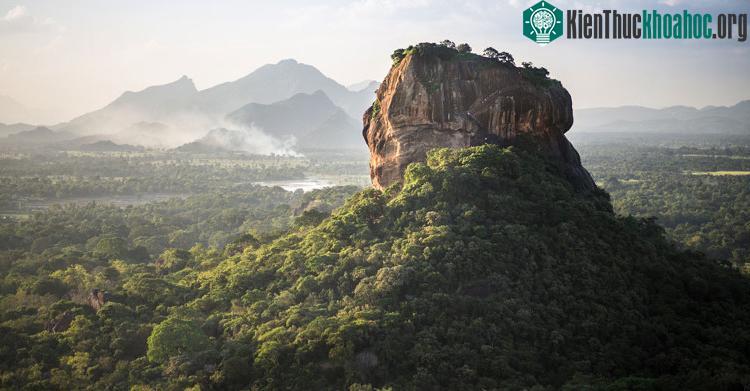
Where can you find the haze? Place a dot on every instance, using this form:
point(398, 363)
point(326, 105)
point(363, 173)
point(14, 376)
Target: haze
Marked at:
point(63, 59)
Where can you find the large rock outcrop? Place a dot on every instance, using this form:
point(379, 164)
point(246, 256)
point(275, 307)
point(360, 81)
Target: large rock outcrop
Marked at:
point(448, 99)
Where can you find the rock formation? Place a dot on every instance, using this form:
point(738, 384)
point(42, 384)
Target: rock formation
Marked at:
point(61, 323)
point(97, 298)
point(437, 97)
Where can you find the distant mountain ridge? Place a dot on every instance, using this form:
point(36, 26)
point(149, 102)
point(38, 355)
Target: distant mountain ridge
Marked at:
point(710, 119)
point(258, 99)
point(312, 121)
point(38, 135)
point(265, 99)
point(369, 85)
point(295, 116)
point(275, 82)
point(340, 127)
point(9, 129)
point(148, 105)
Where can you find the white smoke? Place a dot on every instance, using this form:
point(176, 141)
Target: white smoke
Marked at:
point(176, 129)
point(251, 139)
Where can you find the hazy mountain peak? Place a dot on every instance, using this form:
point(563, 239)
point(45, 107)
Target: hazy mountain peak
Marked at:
point(338, 131)
point(8, 129)
point(156, 103)
point(182, 106)
point(674, 119)
point(287, 61)
point(364, 85)
point(295, 116)
point(267, 84)
point(183, 86)
point(318, 97)
point(285, 66)
point(40, 135)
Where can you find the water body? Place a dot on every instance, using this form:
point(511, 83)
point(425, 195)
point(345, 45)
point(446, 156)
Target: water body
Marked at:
point(295, 184)
point(318, 182)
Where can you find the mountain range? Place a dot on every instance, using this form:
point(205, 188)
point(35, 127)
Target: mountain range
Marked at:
point(276, 82)
point(283, 100)
point(295, 116)
point(313, 120)
point(296, 104)
point(364, 85)
point(676, 119)
point(7, 130)
point(38, 135)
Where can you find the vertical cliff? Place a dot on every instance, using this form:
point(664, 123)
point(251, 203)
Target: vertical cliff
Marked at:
point(438, 97)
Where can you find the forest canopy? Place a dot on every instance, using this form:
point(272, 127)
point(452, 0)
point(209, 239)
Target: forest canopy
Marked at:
point(484, 270)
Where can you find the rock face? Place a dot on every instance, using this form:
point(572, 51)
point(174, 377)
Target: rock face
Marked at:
point(61, 323)
point(458, 100)
point(97, 298)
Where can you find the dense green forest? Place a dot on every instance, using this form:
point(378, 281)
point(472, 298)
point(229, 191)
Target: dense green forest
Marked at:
point(693, 191)
point(66, 175)
point(700, 195)
point(486, 271)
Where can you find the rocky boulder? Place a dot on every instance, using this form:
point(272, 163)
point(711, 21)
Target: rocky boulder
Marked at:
point(97, 298)
point(437, 97)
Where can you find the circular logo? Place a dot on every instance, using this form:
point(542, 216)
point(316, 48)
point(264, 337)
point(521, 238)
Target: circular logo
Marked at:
point(542, 23)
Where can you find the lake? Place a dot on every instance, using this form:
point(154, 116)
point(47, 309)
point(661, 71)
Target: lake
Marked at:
point(309, 184)
point(295, 184)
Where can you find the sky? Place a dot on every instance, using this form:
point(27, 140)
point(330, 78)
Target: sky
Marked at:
point(63, 59)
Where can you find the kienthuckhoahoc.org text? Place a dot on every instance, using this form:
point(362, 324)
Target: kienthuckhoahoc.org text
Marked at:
point(611, 24)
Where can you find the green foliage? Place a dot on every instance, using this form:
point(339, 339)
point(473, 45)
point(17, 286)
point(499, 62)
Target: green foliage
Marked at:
point(375, 109)
point(447, 50)
point(310, 218)
point(49, 286)
point(490, 52)
point(174, 337)
point(397, 56)
point(141, 233)
point(506, 58)
point(463, 48)
point(69, 176)
point(111, 247)
point(51, 260)
point(537, 75)
point(444, 51)
point(487, 257)
point(484, 270)
point(239, 244)
point(701, 212)
point(173, 259)
point(448, 43)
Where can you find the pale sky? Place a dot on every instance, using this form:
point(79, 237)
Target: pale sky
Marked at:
point(69, 57)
